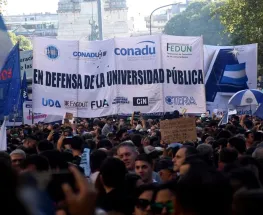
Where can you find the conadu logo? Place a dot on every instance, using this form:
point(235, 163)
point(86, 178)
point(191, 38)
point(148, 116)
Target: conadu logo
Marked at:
point(140, 50)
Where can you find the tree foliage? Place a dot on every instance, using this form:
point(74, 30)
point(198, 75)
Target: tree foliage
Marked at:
point(198, 20)
point(24, 43)
point(243, 19)
point(2, 3)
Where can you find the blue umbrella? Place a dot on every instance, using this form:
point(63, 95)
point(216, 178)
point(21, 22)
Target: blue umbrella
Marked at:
point(246, 97)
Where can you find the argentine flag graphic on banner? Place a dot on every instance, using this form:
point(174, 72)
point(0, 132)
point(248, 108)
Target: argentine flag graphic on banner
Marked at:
point(235, 75)
point(227, 75)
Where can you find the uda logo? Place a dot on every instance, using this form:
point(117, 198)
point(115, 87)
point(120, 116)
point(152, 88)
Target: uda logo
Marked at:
point(50, 103)
point(52, 52)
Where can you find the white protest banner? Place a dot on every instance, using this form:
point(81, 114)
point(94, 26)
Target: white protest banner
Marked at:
point(38, 117)
point(140, 60)
point(121, 75)
point(183, 58)
point(228, 69)
point(3, 138)
point(28, 114)
point(26, 63)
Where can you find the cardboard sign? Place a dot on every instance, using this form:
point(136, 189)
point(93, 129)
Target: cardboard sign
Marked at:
point(178, 130)
point(69, 116)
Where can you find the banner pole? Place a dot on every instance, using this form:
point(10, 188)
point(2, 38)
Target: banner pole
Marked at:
point(32, 117)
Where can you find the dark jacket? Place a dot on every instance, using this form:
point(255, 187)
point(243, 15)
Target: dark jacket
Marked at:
point(116, 201)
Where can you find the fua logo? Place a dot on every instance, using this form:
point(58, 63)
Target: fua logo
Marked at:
point(99, 104)
point(144, 48)
point(50, 103)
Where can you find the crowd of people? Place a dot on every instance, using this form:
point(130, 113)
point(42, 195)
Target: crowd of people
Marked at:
point(118, 165)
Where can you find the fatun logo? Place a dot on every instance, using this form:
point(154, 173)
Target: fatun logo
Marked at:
point(120, 100)
point(50, 103)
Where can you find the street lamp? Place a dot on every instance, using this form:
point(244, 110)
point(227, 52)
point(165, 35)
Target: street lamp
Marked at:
point(158, 9)
point(100, 22)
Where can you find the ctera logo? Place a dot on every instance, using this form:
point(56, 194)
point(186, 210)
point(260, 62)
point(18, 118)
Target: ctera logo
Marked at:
point(50, 103)
point(144, 48)
point(99, 104)
point(90, 55)
point(52, 52)
point(180, 100)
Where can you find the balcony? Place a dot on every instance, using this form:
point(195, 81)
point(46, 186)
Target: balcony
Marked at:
point(115, 5)
point(68, 7)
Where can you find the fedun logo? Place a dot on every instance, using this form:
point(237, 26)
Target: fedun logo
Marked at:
point(50, 103)
point(174, 47)
point(148, 49)
point(99, 104)
point(52, 52)
point(180, 100)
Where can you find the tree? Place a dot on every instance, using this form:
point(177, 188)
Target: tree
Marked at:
point(2, 3)
point(243, 19)
point(198, 20)
point(24, 43)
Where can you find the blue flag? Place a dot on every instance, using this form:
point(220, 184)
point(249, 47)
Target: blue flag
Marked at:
point(5, 44)
point(227, 75)
point(24, 96)
point(259, 112)
point(10, 84)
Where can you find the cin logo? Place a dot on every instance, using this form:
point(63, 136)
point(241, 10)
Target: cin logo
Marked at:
point(52, 52)
point(140, 101)
point(99, 104)
point(50, 103)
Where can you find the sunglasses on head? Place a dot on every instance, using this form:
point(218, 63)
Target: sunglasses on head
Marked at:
point(157, 208)
point(142, 204)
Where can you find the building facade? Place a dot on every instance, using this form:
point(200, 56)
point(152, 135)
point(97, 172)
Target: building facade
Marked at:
point(30, 25)
point(78, 19)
